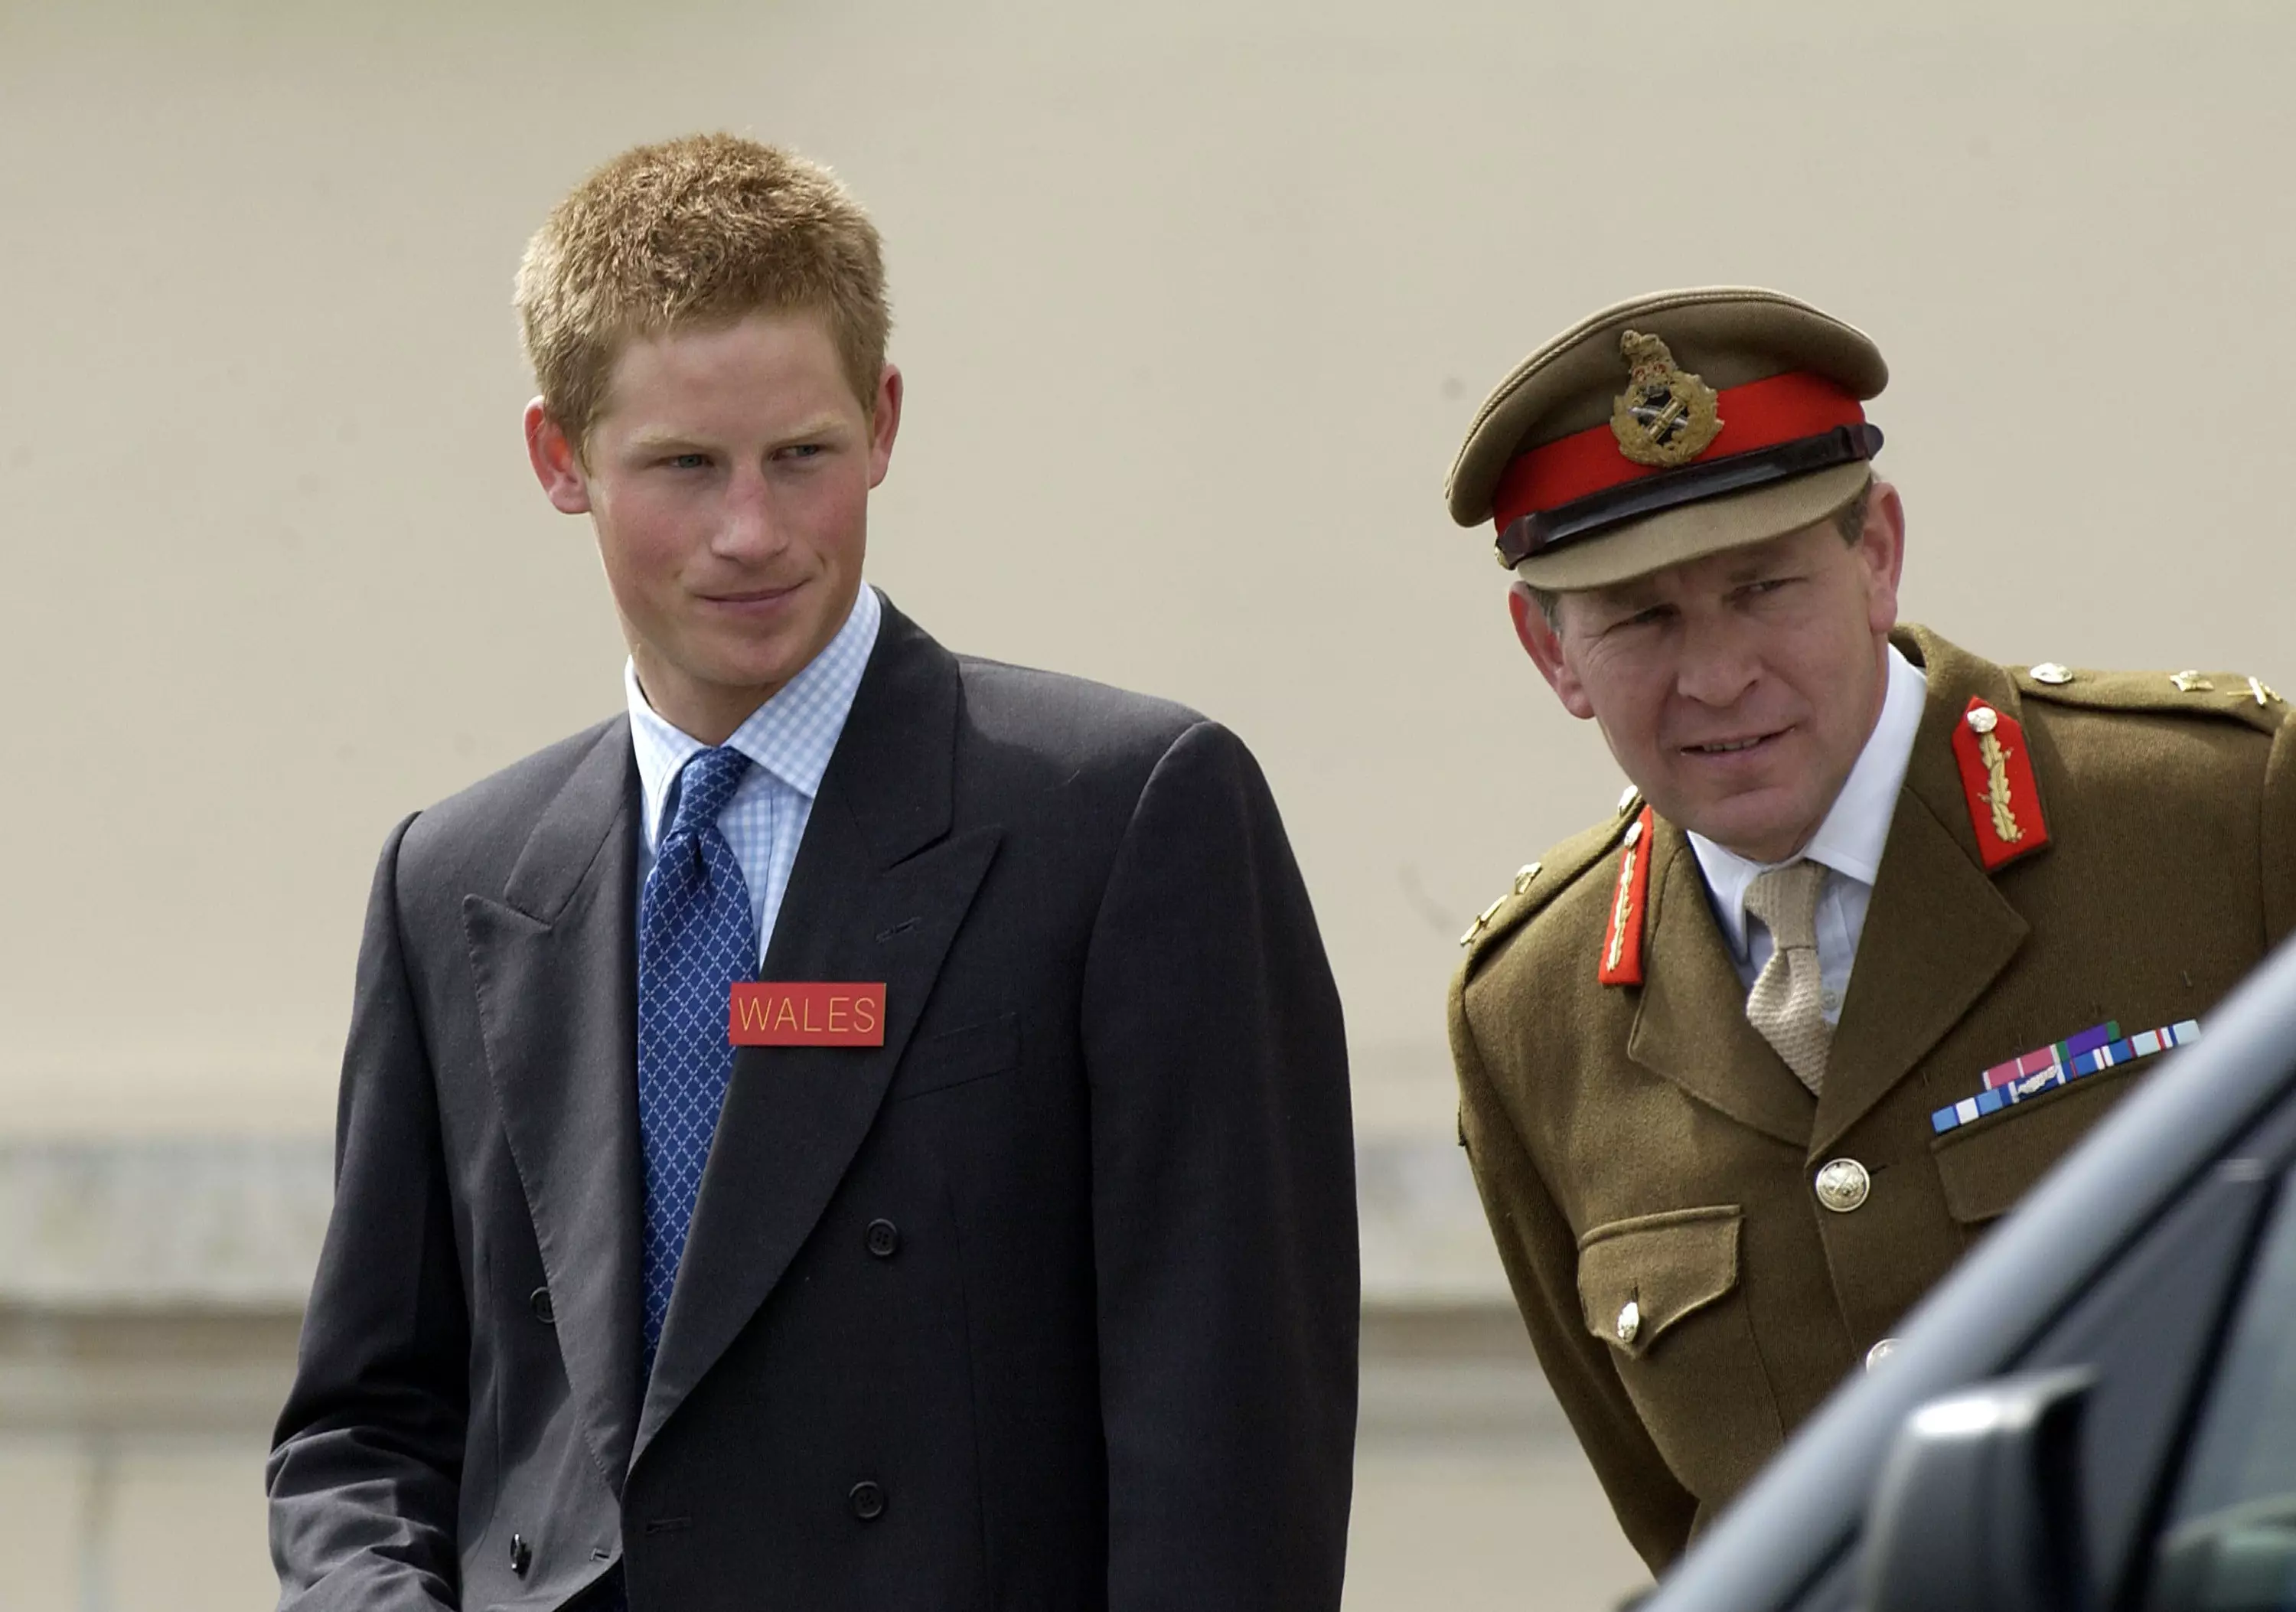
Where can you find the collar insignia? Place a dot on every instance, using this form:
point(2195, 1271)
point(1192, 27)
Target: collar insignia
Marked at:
point(1996, 774)
point(1621, 962)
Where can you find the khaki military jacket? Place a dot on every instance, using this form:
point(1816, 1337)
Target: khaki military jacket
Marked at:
point(1642, 1146)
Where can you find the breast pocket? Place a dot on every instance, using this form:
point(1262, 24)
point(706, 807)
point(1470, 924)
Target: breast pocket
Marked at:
point(1662, 1291)
point(958, 1058)
point(1986, 1166)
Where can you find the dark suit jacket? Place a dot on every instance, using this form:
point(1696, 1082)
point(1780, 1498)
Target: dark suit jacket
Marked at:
point(1642, 1144)
point(1065, 1273)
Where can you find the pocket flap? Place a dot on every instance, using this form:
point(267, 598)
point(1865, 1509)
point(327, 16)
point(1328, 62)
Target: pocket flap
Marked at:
point(956, 1056)
point(1987, 1166)
point(1636, 1278)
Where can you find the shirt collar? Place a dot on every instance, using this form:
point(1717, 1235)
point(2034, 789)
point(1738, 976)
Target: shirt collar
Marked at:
point(1856, 828)
point(790, 737)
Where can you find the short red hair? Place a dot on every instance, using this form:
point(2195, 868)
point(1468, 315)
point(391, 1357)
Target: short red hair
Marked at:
point(695, 232)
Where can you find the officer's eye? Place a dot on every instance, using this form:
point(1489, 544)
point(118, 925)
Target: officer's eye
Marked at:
point(687, 461)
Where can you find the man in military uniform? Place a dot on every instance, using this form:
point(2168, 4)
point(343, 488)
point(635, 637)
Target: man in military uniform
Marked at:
point(1880, 929)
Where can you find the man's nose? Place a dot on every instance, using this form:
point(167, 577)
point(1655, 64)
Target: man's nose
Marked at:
point(747, 527)
point(1720, 661)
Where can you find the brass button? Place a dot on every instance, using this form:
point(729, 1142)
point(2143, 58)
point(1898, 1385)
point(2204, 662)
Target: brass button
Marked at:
point(1627, 801)
point(2050, 672)
point(1880, 1352)
point(1523, 877)
point(1843, 1185)
point(1630, 1321)
point(2190, 681)
point(1982, 718)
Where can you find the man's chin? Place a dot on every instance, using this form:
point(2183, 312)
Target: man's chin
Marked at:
point(761, 675)
point(765, 665)
point(1759, 831)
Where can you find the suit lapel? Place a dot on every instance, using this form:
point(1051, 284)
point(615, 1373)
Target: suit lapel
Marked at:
point(1938, 934)
point(554, 964)
point(1691, 1026)
point(878, 893)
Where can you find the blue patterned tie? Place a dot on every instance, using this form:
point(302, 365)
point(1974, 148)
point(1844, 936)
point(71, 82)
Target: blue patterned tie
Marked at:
point(694, 939)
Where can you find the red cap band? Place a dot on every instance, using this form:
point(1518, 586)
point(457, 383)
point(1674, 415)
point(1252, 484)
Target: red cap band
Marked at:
point(1758, 415)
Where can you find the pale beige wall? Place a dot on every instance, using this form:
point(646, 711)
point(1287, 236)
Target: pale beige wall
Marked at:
point(1194, 299)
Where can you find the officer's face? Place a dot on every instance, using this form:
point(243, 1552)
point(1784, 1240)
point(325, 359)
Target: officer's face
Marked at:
point(1736, 690)
point(728, 479)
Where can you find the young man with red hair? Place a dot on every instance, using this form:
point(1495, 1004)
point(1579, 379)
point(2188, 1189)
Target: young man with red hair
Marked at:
point(866, 1128)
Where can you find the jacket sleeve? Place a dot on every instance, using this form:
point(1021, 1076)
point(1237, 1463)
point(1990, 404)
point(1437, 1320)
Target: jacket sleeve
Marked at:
point(1224, 1213)
point(365, 1471)
point(1541, 1257)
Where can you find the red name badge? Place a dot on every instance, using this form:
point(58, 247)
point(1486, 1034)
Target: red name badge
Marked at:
point(806, 1013)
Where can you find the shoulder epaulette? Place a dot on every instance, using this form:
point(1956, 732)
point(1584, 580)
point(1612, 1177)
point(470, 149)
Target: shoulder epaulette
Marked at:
point(1535, 883)
point(2233, 695)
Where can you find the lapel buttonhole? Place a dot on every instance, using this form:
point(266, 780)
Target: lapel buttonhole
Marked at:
point(903, 928)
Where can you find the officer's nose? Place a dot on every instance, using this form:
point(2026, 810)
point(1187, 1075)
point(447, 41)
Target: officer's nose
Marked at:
point(1721, 660)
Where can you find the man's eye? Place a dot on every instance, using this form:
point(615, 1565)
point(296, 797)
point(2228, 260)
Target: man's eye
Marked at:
point(802, 451)
point(687, 461)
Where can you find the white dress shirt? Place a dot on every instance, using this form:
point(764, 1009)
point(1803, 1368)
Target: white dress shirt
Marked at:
point(1849, 843)
point(789, 740)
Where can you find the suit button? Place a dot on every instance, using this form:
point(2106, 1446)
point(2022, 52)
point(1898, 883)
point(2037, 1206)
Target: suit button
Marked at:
point(883, 1237)
point(521, 1555)
point(1843, 1185)
point(868, 1501)
point(1880, 1352)
point(544, 1312)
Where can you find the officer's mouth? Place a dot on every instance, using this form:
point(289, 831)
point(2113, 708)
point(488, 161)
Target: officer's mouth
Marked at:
point(1720, 749)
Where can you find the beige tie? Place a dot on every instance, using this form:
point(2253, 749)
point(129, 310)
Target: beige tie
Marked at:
point(1784, 1004)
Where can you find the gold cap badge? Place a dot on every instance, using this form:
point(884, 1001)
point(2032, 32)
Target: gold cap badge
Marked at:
point(1666, 416)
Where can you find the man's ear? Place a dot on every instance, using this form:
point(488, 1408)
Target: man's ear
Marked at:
point(557, 465)
point(1881, 546)
point(884, 424)
point(1543, 646)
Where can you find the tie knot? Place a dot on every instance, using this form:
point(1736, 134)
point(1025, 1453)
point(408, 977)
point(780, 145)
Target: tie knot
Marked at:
point(707, 783)
point(1785, 901)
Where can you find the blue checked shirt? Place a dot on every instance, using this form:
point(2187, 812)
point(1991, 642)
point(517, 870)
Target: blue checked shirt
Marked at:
point(789, 740)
